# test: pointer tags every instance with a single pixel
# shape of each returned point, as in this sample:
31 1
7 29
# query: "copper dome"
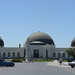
73 43
1 42
41 37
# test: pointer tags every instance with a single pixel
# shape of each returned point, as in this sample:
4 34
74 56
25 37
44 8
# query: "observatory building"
38 45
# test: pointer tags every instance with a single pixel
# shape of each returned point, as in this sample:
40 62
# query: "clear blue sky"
20 18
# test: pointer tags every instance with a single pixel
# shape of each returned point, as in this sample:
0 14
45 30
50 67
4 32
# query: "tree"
71 52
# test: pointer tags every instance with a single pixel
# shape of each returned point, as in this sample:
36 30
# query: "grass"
65 60
43 60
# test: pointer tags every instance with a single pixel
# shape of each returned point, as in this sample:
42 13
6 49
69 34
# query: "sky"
20 18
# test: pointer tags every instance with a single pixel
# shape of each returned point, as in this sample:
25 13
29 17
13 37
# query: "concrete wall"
61 51
42 51
11 50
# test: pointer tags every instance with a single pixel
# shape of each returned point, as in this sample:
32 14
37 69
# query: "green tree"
71 52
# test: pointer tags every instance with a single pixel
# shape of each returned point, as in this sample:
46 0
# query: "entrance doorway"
36 53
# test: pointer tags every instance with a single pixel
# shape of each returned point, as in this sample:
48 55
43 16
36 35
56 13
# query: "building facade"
37 45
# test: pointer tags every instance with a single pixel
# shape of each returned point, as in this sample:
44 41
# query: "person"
31 61
60 61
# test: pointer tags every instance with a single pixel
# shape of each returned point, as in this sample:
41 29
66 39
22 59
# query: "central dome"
39 38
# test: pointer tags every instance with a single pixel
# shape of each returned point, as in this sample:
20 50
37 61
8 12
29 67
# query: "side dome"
73 43
1 42
40 38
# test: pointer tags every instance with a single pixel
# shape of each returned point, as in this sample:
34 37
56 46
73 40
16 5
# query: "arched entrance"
36 53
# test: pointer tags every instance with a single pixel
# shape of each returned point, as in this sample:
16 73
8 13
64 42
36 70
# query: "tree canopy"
71 52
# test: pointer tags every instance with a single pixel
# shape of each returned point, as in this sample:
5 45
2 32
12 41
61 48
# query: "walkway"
56 63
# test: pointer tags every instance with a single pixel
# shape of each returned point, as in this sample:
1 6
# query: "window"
68 55
46 53
13 54
54 54
58 55
63 55
8 54
0 54
4 54
18 54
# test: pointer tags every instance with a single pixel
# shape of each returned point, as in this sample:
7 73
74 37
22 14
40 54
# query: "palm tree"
71 52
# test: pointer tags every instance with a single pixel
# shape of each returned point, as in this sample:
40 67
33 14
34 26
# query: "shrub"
16 60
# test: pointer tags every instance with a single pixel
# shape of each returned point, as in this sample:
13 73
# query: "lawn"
65 60
43 60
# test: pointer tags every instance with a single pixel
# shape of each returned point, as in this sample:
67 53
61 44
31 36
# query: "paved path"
37 68
56 63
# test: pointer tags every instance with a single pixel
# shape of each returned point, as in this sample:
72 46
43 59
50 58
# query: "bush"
16 60
7 59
